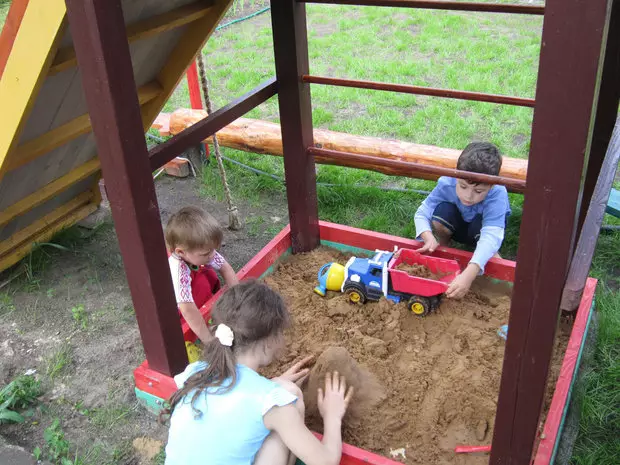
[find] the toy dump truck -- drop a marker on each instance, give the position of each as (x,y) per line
(372,278)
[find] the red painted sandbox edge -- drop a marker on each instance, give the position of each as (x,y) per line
(551,429)
(162,386)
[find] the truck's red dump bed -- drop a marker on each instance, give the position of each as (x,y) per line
(403,282)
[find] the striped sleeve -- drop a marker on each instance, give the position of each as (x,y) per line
(217,262)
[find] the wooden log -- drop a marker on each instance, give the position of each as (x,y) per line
(259,136)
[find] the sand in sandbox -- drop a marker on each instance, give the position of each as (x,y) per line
(367,392)
(418,270)
(440,373)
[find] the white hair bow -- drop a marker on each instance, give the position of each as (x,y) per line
(225,335)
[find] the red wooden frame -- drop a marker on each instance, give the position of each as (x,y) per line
(162,386)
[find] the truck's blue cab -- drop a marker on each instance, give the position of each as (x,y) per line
(367,278)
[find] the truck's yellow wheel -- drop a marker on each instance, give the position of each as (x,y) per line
(419,305)
(355,293)
(417,308)
(355,297)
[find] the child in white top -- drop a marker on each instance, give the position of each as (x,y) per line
(225,413)
(192,238)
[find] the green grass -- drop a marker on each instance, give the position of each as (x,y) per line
(59,361)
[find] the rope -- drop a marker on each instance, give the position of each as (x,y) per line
(238,20)
(234,222)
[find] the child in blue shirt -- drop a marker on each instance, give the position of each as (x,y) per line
(470,213)
(225,413)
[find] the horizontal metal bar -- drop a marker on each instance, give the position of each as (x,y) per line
(163,153)
(441,5)
(398,167)
(417,90)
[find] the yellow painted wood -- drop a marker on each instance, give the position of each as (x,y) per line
(50,190)
(59,136)
(182,56)
(35,45)
(15,254)
(29,231)
(65,58)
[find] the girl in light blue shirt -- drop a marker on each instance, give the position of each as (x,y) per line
(225,413)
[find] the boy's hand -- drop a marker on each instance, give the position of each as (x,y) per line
(461,284)
(297,373)
(333,402)
(430,243)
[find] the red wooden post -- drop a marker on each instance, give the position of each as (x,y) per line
(195,97)
(100,41)
(290,41)
(565,101)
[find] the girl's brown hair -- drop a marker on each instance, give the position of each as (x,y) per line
(254,312)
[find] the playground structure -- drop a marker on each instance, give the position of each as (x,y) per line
(99,72)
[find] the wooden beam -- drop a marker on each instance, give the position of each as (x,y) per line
(59,136)
(442,5)
(65,58)
(419,90)
(193,135)
(257,136)
(607,110)
(586,246)
(182,56)
(50,190)
(290,41)
(25,235)
(45,230)
(407,169)
(568,79)
(33,50)
(97,27)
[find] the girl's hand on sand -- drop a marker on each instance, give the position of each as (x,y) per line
(333,402)
(297,373)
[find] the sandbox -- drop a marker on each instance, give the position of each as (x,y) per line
(437,376)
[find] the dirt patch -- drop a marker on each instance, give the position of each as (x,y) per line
(440,374)
(419,271)
(73,321)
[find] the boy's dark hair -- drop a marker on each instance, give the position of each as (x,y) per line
(193,228)
(480,157)
(254,312)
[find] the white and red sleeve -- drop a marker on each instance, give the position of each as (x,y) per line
(217,262)
(181,280)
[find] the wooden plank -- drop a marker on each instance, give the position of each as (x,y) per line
(65,58)
(193,135)
(607,110)
(565,101)
(24,235)
(182,56)
(45,233)
(97,27)
(9,30)
(49,191)
(55,138)
(35,44)
(586,246)
(290,41)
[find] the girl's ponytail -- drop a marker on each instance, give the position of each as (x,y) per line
(244,314)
